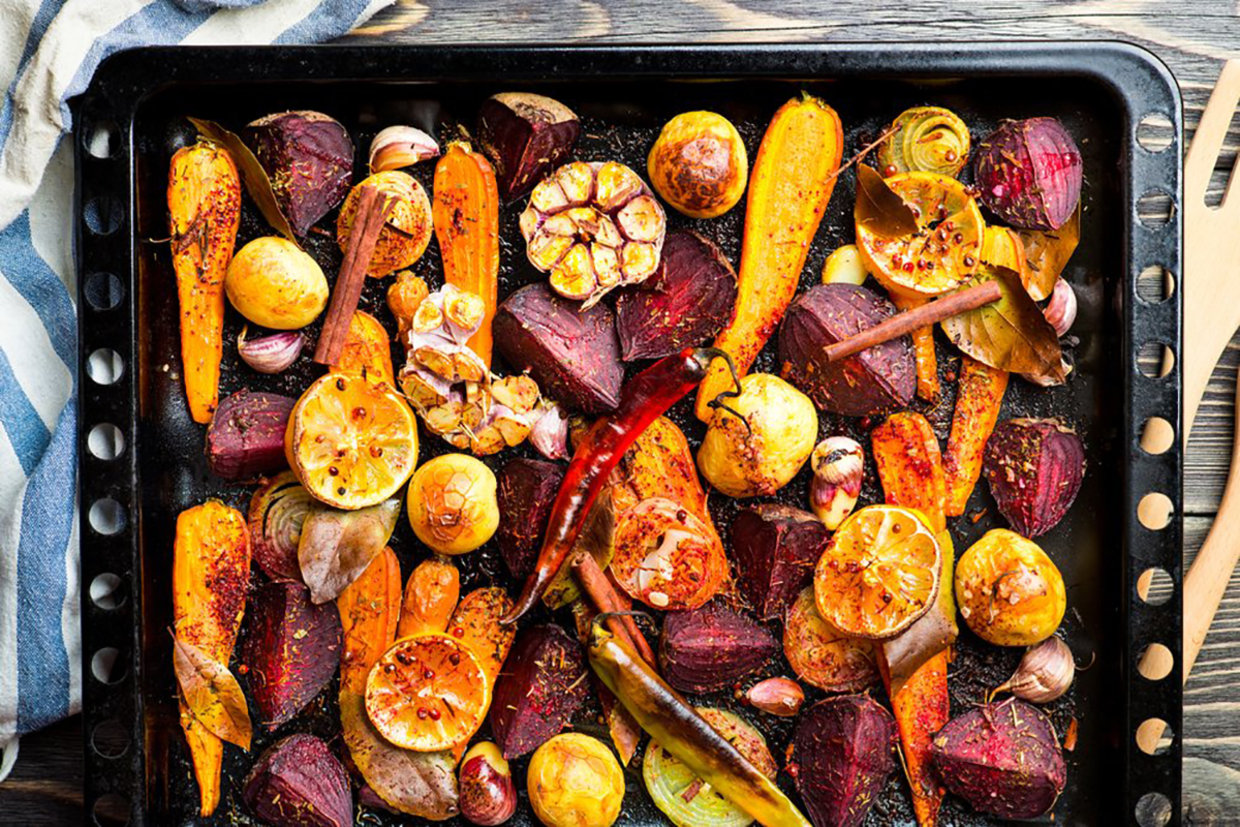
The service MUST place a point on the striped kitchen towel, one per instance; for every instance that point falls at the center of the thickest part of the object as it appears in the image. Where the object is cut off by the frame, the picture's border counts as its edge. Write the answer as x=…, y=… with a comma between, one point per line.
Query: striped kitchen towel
x=48, y=51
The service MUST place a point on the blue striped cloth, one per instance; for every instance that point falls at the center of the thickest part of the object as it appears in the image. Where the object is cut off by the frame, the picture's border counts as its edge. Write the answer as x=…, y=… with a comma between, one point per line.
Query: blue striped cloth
x=48, y=51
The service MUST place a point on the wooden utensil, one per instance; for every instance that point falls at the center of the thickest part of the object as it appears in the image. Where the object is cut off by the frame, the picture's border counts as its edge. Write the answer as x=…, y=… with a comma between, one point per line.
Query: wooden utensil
x=1212, y=308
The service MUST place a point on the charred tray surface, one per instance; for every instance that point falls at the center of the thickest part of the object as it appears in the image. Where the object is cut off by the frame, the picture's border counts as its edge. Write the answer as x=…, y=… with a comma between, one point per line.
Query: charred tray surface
x=624, y=96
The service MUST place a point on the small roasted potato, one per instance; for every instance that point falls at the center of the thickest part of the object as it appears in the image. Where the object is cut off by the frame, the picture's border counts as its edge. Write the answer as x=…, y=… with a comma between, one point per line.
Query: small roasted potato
x=403, y=240
x=452, y=503
x=759, y=455
x=1010, y=592
x=698, y=164
x=273, y=283
x=575, y=781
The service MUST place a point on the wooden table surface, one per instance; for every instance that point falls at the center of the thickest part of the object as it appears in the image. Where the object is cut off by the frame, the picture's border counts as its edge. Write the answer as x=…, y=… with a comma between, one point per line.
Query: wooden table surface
x=1192, y=36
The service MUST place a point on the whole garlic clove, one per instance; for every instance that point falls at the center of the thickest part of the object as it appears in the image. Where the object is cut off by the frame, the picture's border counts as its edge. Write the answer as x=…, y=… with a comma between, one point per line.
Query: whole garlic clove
x=1060, y=311
x=488, y=795
x=271, y=354
x=549, y=436
x=777, y=696
x=1044, y=673
x=401, y=146
x=839, y=465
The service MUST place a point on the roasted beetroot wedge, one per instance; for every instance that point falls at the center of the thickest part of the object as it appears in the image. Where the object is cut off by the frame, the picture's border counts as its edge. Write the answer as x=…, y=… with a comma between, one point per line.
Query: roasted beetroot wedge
x=526, y=492
x=1035, y=468
x=299, y=781
x=776, y=548
x=711, y=648
x=542, y=686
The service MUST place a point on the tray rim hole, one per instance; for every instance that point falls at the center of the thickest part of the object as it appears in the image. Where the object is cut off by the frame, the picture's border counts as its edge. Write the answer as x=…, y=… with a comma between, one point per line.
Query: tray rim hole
x=1165, y=739
x=1155, y=208
x=1155, y=511
x=107, y=591
x=1165, y=666
x=108, y=666
x=1155, y=132
x=101, y=138
x=105, y=441
x=1153, y=810
x=109, y=739
x=111, y=810
x=1157, y=436
x=1155, y=284
x=107, y=516
x=105, y=366
x=1155, y=586
x=102, y=214
x=1155, y=360
x=104, y=291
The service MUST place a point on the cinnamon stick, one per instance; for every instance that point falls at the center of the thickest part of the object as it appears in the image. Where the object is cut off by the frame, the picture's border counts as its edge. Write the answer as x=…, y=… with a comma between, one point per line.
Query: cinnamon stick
x=372, y=209
x=904, y=323
x=600, y=591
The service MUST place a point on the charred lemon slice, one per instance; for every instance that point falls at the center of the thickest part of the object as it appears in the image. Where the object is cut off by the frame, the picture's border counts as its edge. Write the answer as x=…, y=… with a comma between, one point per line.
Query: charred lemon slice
x=880, y=573
x=350, y=442
x=427, y=693
x=942, y=254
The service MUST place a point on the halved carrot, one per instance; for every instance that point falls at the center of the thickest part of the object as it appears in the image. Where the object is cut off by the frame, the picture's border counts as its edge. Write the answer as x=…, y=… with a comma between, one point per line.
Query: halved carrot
x=369, y=612
x=910, y=465
x=979, y=396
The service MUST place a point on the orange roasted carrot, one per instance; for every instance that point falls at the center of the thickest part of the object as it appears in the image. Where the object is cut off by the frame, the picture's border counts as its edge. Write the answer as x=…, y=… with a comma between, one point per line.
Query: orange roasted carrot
x=466, y=216
x=922, y=707
x=910, y=465
x=789, y=188
x=923, y=351
x=979, y=397
x=204, y=206
x=430, y=598
x=210, y=576
x=369, y=612
x=367, y=349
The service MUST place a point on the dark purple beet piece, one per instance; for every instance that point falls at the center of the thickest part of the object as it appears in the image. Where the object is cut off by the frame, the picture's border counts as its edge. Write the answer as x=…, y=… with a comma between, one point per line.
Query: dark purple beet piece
x=309, y=158
x=842, y=750
x=525, y=136
x=1004, y=759
x=877, y=379
x=542, y=686
x=527, y=489
x=1035, y=468
x=246, y=436
x=291, y=649
x=299, y=782
x=573, y=354
x=686, y=303
x=776, y=549
x=711, y=648
x=1029, y=173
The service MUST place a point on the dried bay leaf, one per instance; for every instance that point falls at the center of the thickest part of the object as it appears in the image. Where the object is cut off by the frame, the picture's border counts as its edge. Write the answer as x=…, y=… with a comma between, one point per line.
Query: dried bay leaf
x=879, y=208
x=1010, y=334
x=1047, y=253
x=336, y=546
x=257, y=183
x=211, y=693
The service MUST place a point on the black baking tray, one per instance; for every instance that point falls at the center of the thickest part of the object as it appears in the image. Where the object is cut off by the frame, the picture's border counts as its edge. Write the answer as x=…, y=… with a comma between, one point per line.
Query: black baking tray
x=132, y=118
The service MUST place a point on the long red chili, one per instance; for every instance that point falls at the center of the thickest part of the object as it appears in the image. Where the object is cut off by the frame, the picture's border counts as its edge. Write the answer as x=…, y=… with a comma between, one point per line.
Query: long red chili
x=643, y=399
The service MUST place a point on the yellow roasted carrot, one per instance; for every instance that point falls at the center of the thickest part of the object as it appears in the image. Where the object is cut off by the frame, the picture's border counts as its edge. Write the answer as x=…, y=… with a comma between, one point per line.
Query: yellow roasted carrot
x=979, y=397
x=369, y=612
x=210, y=576
x=466, y=217
x=204, y=205
x=791, y=183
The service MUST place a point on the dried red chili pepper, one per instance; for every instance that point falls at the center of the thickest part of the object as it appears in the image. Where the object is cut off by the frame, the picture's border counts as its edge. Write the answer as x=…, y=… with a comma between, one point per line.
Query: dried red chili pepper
x=643, y=399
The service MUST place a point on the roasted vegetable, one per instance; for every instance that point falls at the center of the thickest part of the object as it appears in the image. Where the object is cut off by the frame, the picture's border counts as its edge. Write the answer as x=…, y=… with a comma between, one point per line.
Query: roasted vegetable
x=910, y=465
x=659, y=464
x=488, y=796
x=682, y=732
x=823, y=656
x=275, y=284
x=575, y=781
x=776, y=549
x=271, y=354
x=924, y=355
x=922, y=707
x=1035, y=468
x=711, y=648
x=593, y=227
x=210, y=575
x=542, y=688
x=308, y=157
x=525, y=135
x=979, y=396
x=1004, y=759
x=666, y=556
x=1060, y=311
x=684, y=304
x=466, y=216
x=431, y=596
x=776, y=696
x=404, y=296
x=1010, y=592
x=839, y=468
x=407, y=231
x=759, y=440
x=277, y=511
x=844, y=266
x=646, y=396
x=399, y=146
x=452, y=505
x=685, y=799
x=841, y=751
x=876, y=379
x=367, y=350
x=337, y=546
x=1044, y=674
x=573, y=354
x=204, y=205
x=526, y=493
x=291, y=649
x=791, y=183
x=246, y=435
x=698, y=164
x=926, y=139
x=370, y=609
x=475, y=623
x=299, y=782
x=1029, y=173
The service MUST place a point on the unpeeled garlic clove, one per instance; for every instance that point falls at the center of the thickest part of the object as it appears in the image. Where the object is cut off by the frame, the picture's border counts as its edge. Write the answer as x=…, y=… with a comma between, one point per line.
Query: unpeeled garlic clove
x=838, y=463
x=777, y=696
x=271, y=354
x=1060, y=311
x=401, y=146
x=1044, y=673
x=549, y=435
x=488, y=795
